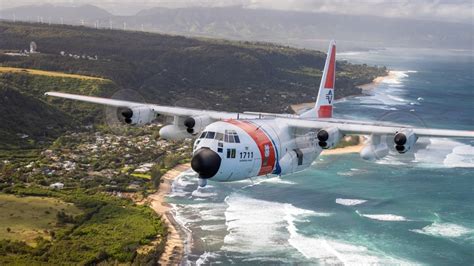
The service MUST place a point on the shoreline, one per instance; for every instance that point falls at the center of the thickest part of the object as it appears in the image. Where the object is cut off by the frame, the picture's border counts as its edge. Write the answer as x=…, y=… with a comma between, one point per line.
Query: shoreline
x=376, y=81
x=176, y=239
x=297, y=108
x=346, y=150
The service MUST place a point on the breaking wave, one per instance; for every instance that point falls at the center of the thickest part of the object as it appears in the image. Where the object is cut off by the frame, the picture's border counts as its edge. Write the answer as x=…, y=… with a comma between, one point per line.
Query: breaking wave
x=448, y=230
x=384, y=217
x=262, y=227
x=349, y=202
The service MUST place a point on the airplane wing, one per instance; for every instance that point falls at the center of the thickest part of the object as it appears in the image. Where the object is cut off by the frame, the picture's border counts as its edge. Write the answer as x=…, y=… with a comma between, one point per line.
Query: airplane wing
x=159, y=109
x=349, y=127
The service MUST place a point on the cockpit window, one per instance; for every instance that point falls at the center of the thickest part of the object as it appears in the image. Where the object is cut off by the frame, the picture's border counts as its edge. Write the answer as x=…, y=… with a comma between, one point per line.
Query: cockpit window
x=219, y=136
x=210, y=135
x=203, y=135
x=231, y=136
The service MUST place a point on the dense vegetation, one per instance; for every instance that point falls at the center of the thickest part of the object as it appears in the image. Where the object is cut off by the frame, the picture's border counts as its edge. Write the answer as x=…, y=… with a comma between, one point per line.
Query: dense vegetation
x=110, y=229
x=164, y=69
x=29, y=118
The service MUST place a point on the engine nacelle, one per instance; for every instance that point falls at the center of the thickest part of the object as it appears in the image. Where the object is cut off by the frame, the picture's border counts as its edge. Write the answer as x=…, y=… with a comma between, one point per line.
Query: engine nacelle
x=196, y=124
x=329, y=138
x=404, y=140
x=137, y=115
x=298, y=159
x=173, y=132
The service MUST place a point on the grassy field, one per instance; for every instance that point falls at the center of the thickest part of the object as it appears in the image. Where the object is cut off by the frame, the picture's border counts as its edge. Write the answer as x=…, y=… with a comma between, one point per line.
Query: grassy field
x=45, y=73
x=30, y=217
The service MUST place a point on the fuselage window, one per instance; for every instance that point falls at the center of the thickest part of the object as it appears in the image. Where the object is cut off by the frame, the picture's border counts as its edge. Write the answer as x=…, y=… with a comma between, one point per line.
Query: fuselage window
x=231, y=153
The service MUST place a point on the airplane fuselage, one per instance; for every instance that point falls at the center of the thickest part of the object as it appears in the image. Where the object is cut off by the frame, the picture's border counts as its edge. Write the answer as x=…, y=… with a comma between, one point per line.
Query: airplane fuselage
x=249, y=148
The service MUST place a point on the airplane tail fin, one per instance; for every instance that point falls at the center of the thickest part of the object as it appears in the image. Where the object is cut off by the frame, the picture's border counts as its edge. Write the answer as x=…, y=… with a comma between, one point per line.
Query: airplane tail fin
x=323, y=106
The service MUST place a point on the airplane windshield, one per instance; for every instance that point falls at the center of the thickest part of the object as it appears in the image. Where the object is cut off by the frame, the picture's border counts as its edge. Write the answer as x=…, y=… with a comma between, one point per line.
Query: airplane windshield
x=230, y=136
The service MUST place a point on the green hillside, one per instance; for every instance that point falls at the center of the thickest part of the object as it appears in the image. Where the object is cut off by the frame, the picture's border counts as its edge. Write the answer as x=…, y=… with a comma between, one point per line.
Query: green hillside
x=165, y=68
x=29, y=118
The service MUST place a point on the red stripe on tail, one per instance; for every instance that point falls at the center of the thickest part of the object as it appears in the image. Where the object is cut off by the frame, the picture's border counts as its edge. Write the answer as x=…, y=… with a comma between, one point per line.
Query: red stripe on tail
x=325, y=111
x=329, y=83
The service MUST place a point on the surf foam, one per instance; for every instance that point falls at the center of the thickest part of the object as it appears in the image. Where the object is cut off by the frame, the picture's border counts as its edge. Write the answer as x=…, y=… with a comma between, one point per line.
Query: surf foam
x=384, y=217
x=448, y=230
x=258, y=226
x=349, y=202
x=261, y=228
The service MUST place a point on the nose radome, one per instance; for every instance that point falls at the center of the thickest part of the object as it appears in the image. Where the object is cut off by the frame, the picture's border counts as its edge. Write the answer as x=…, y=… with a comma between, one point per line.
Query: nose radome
x=206, y=163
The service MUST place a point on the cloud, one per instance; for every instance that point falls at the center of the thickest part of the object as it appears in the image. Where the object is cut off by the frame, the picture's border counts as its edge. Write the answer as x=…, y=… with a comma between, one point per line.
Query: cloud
x=455, y=10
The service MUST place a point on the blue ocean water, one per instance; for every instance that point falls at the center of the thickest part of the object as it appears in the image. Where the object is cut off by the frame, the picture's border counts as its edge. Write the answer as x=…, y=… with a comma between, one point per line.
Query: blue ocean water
x=412, y=209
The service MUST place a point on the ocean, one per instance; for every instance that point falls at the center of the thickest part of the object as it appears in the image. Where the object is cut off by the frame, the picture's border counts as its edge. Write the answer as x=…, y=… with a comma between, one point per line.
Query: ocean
x=412, y=209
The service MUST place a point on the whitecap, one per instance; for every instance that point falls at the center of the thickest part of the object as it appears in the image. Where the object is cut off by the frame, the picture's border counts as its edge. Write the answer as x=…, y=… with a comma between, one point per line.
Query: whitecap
x=446, y=153
x=384, y=217
x=448, y=230
x=204, y=258
x=350, y=202
x=330, y=251
x=462, y=156
x=204, y=192
x=278, y=180
x=213, y=227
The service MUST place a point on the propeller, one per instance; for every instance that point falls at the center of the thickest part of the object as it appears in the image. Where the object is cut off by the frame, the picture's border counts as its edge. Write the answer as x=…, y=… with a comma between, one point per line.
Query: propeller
x=118, y=118
x=396, y=141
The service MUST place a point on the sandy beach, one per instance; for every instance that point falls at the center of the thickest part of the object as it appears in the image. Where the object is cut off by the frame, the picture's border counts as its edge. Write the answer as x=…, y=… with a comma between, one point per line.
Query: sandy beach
x=345, y=150
x=174, y=250
x=372, y=85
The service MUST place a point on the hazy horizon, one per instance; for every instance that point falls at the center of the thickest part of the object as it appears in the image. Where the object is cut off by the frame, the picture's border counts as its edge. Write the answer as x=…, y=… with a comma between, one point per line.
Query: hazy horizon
x=460, y=11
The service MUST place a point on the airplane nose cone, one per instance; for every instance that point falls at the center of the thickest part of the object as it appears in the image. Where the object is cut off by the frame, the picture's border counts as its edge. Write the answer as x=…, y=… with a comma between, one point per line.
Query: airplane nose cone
x=206, y=163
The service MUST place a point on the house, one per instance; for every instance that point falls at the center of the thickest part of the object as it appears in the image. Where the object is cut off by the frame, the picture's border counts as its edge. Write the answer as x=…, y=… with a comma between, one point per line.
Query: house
x=57, y=185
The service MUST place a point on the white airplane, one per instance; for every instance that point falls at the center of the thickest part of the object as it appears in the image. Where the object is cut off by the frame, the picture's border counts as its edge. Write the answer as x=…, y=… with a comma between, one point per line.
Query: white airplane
x=237, y=146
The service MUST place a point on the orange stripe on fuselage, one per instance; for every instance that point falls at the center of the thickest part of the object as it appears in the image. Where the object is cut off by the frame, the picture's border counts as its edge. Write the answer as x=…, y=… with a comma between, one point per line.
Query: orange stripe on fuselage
x=262, y=141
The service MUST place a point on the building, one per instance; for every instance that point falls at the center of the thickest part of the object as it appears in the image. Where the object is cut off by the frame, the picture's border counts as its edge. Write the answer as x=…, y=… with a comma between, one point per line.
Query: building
x=57, y=185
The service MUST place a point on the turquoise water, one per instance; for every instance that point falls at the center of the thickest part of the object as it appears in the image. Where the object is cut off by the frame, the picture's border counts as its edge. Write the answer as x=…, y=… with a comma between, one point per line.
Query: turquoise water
x=413, y=209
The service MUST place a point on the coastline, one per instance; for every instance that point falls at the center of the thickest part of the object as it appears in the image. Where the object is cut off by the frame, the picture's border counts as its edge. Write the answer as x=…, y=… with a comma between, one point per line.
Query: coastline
x=349, y=149
x=297, y=108
x=376, y=81
x=175, y=241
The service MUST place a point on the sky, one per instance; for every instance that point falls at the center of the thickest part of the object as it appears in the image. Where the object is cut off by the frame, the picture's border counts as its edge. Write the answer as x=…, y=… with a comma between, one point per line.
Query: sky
x=438, y=10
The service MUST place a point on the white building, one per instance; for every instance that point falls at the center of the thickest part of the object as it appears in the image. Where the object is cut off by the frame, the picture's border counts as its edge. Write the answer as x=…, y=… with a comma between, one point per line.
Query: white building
x=57, y=185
